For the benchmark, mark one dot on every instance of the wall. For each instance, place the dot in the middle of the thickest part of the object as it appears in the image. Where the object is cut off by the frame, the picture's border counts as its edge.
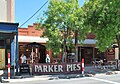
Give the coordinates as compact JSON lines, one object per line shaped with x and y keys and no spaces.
{"x":30,"y":31}
{"x":10,"y":10}
{"x":3,"y":10}
{"x":7,"y":8}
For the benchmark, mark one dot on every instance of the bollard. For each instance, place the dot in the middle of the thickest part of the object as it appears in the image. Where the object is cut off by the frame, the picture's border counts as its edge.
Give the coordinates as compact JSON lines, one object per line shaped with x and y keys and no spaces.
{"x":8,"y":65}
{"x":82,"y":66}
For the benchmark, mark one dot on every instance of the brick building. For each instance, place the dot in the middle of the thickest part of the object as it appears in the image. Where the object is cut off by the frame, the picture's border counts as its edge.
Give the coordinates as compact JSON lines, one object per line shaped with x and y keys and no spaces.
{"x":31,"y":35}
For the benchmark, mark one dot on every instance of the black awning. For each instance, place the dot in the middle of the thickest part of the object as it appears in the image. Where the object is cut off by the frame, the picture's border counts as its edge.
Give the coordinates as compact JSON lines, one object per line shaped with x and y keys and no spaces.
{"x":34,"y":44}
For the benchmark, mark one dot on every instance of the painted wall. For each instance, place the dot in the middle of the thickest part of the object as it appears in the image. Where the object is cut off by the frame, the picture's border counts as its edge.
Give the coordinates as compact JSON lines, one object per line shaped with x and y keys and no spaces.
{"x":7,"y":10}
{"x":3,"y":11}
{"x":10,"y":10}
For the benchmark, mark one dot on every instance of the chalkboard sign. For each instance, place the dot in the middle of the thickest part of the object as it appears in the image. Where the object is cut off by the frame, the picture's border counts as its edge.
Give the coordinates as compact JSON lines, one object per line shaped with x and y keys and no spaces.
{"x":24,"y":68}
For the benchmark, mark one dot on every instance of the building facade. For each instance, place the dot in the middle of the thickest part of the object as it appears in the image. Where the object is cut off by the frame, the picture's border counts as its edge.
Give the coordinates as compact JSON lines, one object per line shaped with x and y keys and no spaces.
{"x":30,"y":42}
{"x":7,"y":10}
{"x":8,"y":34}
{"x":8,"y":43}
{"x":88,"y":51}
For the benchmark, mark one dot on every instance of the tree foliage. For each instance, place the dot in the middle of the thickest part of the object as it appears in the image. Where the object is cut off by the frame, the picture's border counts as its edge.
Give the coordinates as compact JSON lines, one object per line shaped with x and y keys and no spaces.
{"x":62,"y":15}
{"x":103,"y":17}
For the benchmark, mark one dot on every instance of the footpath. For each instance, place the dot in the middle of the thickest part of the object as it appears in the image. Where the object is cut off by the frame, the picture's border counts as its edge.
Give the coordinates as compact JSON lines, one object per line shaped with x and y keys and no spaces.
{"x":89,"y":72}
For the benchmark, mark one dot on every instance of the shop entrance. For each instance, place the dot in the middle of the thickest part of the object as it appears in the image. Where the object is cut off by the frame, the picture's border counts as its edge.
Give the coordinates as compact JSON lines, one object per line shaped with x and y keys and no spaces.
{"x":87,"y":54}
{"x":35,"y":52}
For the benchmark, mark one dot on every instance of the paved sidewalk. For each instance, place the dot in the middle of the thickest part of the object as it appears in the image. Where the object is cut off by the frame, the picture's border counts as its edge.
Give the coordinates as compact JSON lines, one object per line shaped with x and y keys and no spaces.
{"x":89,"y":71}
{"x":44,"y":77}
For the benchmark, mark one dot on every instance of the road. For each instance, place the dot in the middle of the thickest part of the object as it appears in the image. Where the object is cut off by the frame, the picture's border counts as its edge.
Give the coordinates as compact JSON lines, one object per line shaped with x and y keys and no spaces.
{"x":106,"y":79}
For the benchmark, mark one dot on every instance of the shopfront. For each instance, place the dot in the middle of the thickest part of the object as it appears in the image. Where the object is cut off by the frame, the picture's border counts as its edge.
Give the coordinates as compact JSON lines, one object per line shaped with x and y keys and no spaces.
{"x":34,"y":52}
{"x":30,"y":35}
{"x":8,"y":44}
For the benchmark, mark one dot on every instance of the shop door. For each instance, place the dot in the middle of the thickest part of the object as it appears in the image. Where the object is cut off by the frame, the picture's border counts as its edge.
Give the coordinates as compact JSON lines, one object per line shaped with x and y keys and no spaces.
{"x":88,"y":55}
{"x":2,"y":58}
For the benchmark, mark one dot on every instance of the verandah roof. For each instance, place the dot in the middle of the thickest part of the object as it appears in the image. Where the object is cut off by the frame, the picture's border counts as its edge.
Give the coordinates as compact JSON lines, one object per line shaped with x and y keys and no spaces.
{"x":44,"y":40}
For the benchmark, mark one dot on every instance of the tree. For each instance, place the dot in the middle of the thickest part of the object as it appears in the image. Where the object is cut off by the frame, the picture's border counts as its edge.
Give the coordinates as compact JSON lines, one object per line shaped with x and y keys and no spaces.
{"x":63,"y":21}
{"x":103,"y":17}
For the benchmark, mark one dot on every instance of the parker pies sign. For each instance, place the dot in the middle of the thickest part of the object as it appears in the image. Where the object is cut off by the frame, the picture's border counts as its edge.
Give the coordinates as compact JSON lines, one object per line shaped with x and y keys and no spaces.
{"x":62,"y":68}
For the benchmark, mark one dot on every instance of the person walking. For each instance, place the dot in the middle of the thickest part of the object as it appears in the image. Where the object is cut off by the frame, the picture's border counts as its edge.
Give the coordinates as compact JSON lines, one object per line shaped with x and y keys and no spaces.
{"x":47,"y":59}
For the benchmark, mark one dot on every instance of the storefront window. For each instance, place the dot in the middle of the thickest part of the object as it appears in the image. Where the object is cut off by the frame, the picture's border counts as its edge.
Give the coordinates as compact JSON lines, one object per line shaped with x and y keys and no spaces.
{"x":1,"y":43}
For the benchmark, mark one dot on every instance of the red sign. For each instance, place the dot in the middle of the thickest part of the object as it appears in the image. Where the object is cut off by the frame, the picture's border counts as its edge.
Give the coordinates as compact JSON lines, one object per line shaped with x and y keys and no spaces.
{"x":111,"y":52}
{"x":62,"y":68}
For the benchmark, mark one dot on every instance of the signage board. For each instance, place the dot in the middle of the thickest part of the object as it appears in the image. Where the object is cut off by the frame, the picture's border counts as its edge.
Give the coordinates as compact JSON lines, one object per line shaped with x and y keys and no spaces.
{"x":24,"y":68}
{"x":61,"y":68}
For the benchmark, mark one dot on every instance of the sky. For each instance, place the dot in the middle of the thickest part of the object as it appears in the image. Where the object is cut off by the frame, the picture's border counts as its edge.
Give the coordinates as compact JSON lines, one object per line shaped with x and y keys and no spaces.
{"x":24,"y":9}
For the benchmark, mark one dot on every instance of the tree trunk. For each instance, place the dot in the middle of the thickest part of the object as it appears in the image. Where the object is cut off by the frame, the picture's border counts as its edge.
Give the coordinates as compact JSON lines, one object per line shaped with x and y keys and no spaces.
{"x":76,"y":46}
{"x":64,"y":48}
{"x":118,"y":42}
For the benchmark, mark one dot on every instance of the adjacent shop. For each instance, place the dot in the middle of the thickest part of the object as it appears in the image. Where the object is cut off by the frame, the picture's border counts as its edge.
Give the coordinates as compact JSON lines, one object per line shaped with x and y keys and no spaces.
{"x":8,"y":44}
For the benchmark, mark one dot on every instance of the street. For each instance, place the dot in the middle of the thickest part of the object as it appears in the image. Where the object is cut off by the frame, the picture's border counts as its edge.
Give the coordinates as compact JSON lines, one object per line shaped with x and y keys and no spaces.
{"x":103,"y":79}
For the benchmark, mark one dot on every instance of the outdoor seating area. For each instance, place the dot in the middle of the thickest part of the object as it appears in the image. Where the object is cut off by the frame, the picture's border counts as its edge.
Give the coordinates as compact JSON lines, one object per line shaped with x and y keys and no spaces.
{"x":104,"y":64}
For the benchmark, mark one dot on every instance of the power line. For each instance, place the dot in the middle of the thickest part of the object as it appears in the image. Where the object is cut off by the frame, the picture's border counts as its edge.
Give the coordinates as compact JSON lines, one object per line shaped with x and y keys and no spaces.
{"x":35,"y":13}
